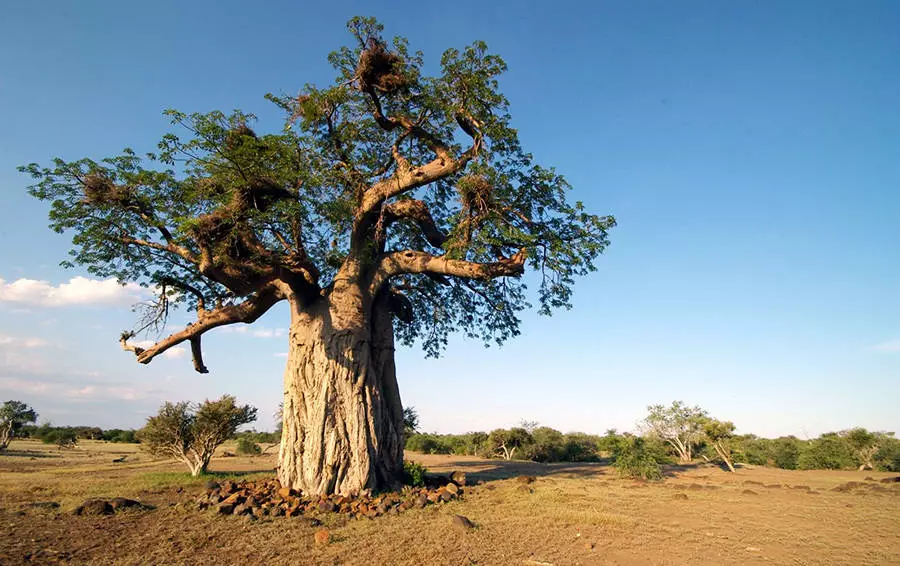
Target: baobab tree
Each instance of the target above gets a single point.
(388, 195)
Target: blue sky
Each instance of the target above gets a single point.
(748, 150)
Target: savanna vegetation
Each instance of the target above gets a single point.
(393, 205)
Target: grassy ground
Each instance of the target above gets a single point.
(572, 514)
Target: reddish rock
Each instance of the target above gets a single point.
(322, 536)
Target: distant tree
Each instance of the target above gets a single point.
(828, 452)
(191, 433)
(391, 206)
(505, 442)
(634, 460)
(410, 421)
(719, 435)
(888, 457)
(13, 416)
(865, 446)
(679, 425)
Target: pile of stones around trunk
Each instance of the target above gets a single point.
(266, 498)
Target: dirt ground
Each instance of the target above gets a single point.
(572, 514)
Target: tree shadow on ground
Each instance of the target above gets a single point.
(226, 474)
(492, 470)
(29, 454)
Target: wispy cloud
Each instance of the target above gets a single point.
(78, 291)
(20, 342)
(261, 332)
(889, 346)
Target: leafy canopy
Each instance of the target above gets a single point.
(383, 160)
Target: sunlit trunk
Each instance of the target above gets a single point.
(342, 419)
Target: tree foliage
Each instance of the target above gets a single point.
(409, 184)
(679, 425)
(190, 433)
(13, 416)
(719, 434)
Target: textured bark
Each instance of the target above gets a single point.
(342, 417)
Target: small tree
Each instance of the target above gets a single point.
(410, 421)
(634, 460)
(191, 434)
(13, 416)
(719, 435)
(865, 446)
(504, 443)
(679, 425)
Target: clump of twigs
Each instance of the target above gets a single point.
(379, 69)
(474, 194)
(236, 136)
(99, 189)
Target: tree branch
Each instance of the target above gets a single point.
(410, 261)
(415, 210)
(246, 312)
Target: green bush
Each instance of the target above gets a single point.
(428, 444)
(828, 452)
(414, 473)
(246, 447)
(634, 460)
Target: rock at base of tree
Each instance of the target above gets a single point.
(322, 536)
(463, 523)
(93, 507)
(267, 498)
(211, 484)
(459, 478)
(682, 496)
(526, 479)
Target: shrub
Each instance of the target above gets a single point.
(828, 452)
(414, 473)
(633, 460)
(427, 444)
(246, 447)
(191, 433)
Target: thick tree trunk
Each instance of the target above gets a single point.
(342, 428)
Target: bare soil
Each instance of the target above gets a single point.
(571, 514)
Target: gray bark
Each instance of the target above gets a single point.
(342, 427)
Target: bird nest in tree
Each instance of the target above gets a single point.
(380, 69)
(474, 194)
(237, 135)
(99, 189)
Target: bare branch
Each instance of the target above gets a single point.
(410, 261)
(246, 312)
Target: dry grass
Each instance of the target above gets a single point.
(572, 514)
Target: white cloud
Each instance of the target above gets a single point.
(176, 352)
(269, 332)
(261, 332)
(78, 291)
(16, 342)
(889, 346)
